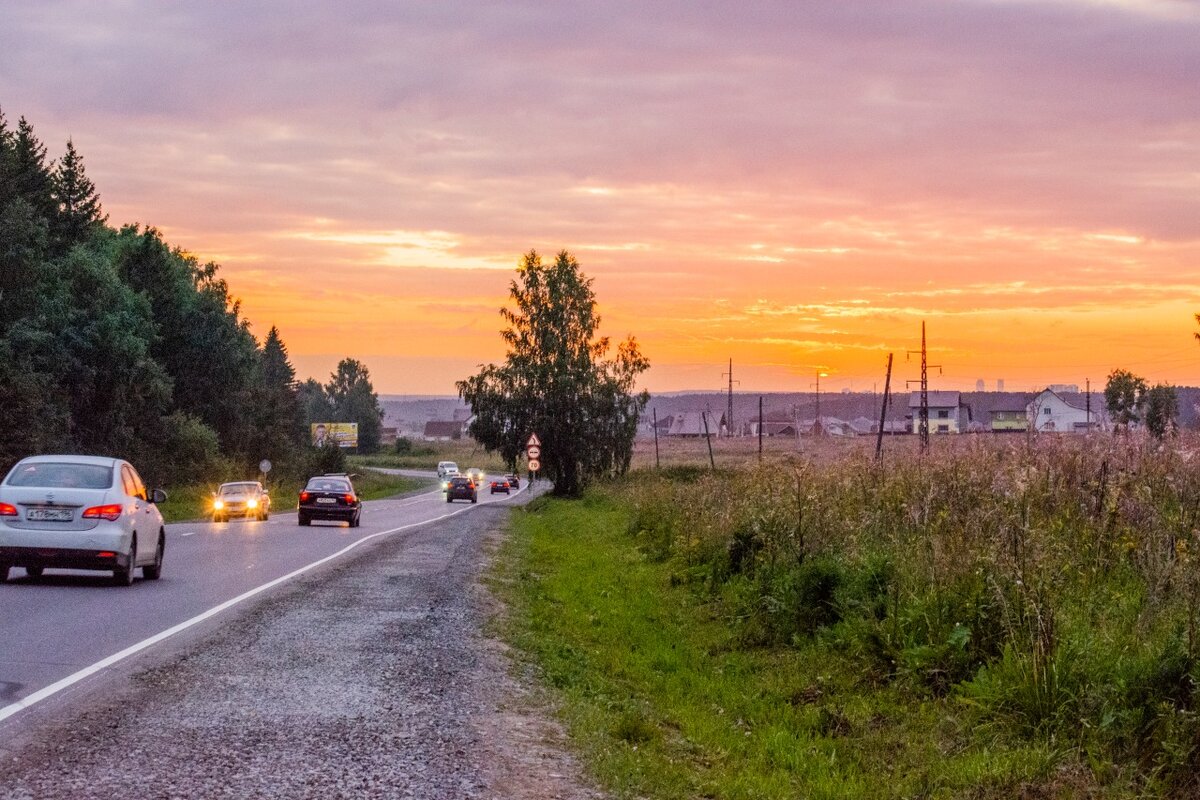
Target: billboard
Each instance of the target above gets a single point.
(344, 433)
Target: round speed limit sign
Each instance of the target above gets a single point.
(534, 465)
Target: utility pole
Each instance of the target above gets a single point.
(760, 428)
(819, 429)
(1089, 405)
(887, 386)
(655, 411)
(729, 410)
(923, 429)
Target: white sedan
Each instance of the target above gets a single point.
(80, 512)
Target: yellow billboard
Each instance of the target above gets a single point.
(344, 433)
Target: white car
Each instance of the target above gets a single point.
(80, 512)
(447, 468)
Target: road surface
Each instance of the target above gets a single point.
(65, 626)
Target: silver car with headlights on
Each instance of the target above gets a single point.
(80, 512)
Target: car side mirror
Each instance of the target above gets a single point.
(158, 496)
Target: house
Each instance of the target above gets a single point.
(387, 436)
(443, 430)
(1051, 413)
(773, 425)
(947, 412)
(693, 423)
(1007, 420)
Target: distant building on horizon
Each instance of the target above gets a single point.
(999, 384)
(980, 386)
(1064, 388)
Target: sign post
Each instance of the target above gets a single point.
(533, 452)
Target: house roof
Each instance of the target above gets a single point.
(936, 399)
(691, 423)
(438, 427)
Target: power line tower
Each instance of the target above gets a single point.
(818, 428)
(729, 409)
(923, 429)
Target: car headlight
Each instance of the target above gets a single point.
(251, 503)
(218, 504)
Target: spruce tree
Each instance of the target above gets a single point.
(79, 212)
(29, 175)
(7, 147)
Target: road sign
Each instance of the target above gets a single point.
(534, 465)
(534, 452)
(534, 441)
(264, 465)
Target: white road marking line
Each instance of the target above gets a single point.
(71, 680)
(189, 533)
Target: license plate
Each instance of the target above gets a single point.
(326, 500)
(50, 515)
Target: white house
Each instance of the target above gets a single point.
(947, 412)
(693, 423)
(1051, 413)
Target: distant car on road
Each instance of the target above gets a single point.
(513, 481)
(446, 467)
(329, 497)
(499, 485)
(461, 488)
(476, 475)
(80, 512)
(241, 499)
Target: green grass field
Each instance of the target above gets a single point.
(999, 621)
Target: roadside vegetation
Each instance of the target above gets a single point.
(409, 454)
(1008, 618)
(113, 342)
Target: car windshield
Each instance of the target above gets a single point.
(460, 481)
(238, 488)
(61, 475)
(328, 485)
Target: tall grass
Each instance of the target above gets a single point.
(1045, 588)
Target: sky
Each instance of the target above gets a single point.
(793, 186)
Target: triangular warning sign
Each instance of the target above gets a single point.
(533, 441)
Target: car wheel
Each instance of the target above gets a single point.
(34, 572)
(4, 568)
(217, 518)
(449, 499)
(123, 576)
(474, 498)
(153, 572)
(266, 515)
(305, 521)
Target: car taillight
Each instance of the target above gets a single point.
(304, 497)
(350, 499)
(110, 512)
(8, 510)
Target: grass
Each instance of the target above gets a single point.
(664, 703)
(1005, 618)
(426, 455)
(187, 503)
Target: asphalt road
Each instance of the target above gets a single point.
(61, 629)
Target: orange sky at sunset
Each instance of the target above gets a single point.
(793, 186)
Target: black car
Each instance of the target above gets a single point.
(330, 497)
(499, 485)
(461, 488)
(513, 481)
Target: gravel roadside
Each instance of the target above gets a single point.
(369, 678)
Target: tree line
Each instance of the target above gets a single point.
(114, 342)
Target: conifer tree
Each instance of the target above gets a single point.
(29, 175)
(7, 190)
(79, 212)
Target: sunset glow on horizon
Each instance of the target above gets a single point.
(794, 187)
